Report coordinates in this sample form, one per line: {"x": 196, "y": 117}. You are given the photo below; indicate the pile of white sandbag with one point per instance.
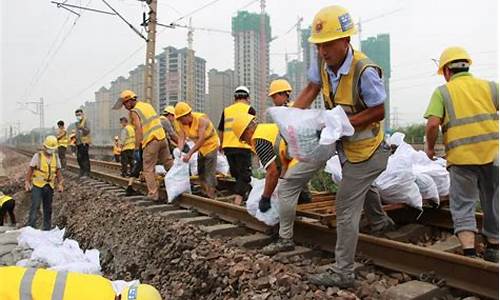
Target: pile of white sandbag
{"x": 270, "y": 217}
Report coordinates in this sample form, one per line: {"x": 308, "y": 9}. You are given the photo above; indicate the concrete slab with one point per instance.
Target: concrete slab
{"x": 252, "y": 241}
{"x": 9, "y": 238}
{"x": 6, "y": 228}
{"x": 413, "y": 290}
{"x": 160, "y": 208}
{"x": 408, "y": 233}
{"x": 178, "y": 214}
{"x": 200, "y": 220}
{"x": 145, "y": 203}
{"x": 451, "y": 244}
{"x": 223, "y": 229}
{"x": 134, "y": 198}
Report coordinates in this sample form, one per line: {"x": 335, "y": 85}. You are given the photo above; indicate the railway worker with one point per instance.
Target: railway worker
{"x": 25, "y": 283}
{"x": 44, "y": 173}
{"x": 151, "y": 144}
{"x": 466, "y": 109}
{"x": 7, "y": 205}
{"x": 127, "y": 143}
{"x": 117, "y": 150}
{"x": 167, "y": 119}
{"x": 279, "y": 91}
{"x": 282, "y": 172}
{"x": 197, "y": 127}
{"x": 62, "y": 139}
{"x": 82, "y": 142}
{"x": 348, "y": 78}
{"x": 239, "y": 155}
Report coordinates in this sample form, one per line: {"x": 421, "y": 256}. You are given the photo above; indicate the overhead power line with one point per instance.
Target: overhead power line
{"x": 196, "y": 10}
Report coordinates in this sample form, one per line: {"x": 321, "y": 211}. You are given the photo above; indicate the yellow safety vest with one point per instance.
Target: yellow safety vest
{"x": 20, "y": 283}
{"x": 360, "y": 146}
{"x": 230, "y": 113}
{"x": 270, "y": 133}
{"x": 63, "y": 140}
{"x": 129, "y": 143}
{"x": 211, "y": 138}
{"x": 470, "y": 125}
{"x": 85, "y": 139}
{"x": 45, "y": 172}
{"x": 150, "y": 122}
{"x": 116, "y": 149}
{"x": 4, "y": 199}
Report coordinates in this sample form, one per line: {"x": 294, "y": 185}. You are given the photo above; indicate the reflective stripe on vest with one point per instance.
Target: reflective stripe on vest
{"x": 27, "y": 283}
{"x": 229, "y": 139}
{"x": 46, "y": 171}
{"x": 4, "y": 199}
{"x": 365, "y": 141}
{"x": 150, "y": 122}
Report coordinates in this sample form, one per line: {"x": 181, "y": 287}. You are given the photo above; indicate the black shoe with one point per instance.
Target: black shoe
{"x": 130, "y": 191}
{"x": 491, "y": 254}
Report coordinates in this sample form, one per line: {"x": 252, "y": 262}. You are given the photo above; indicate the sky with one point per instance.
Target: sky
{"x": 50, "y": 52}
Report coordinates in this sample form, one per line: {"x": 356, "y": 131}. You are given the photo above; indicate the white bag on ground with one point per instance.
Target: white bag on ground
{"x": 177, "y": 178}
{"x": 222, "y": 164}
{"x": 160, "y": 170}
{"x": 438, "y": 173}
{"x": 270, "y": 217}
{"x": 334, "y": 167}
{"x": 427, "y": 187}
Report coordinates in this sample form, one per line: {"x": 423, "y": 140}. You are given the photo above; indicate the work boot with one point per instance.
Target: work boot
{"x": 387, "y": 226}
{"x": 330, "y": 278}
{"x": 491, "y": 254}
{"x": 304, "y": 197}
{"x": 280, "y": 245}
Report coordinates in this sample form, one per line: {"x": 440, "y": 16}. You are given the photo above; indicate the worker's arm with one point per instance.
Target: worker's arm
{"x": 272, "y": 176}
{"x": 182, "y": 140}
{"x": 431, "y": 134}
{"x": 221, "y": 130}
{"x": 27, "y": 180}
{"x": 307, "y": 95}
{"x": 201, "y": 139}
{"x": 368, "y": 116}
{"x": 86, "y": 128}
{"x": 60, "y": 180}
{"x": 136, "y": 122}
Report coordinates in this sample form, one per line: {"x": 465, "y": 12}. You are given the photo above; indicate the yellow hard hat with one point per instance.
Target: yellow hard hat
{"x": 169, "y": 109}
{"x": 331, "y": 23}
{"x": 50, "y": 142}
{"x": 278, "y": 86}
{"x": 241, "y": 123}
{"x": 124, "y": 97}
{"x": 451, "y": 54}
{"x": 141, "y": 292}
{"x": 182, "y": 109}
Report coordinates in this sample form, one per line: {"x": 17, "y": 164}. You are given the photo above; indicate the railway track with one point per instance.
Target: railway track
{"x": 316, "y": 228}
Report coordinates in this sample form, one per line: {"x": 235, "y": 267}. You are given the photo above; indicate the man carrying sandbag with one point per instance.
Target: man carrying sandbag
{"x": 348, "y": 78}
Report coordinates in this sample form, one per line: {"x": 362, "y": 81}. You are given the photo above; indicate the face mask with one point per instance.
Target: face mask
{"x": 49, "y": 151}
{"x": 79, "y": 118}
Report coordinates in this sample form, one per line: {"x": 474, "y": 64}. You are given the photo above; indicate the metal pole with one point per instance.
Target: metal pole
{"x": 150, "y": 55}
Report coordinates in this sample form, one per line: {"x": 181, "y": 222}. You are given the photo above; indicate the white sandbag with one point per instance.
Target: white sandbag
{"x": 31, "y": 238}
{"x": 160, "y": 170}
{"x": 120, "y": 285}
{"x": 222, "y": 164}
{"x": 427, "y": 187}
{"x": 193, "y": 164}
{"x": 270, "y": 217}
{"x": 177, "y": 178}
{"x": 396, "y": 139}
{"x": 337, "y": 125}
{"x": 334, "y": 167}
{"x": 438, "y": 173}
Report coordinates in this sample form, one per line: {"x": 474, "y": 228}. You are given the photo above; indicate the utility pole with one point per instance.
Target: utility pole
{"x": 150, "y": 54}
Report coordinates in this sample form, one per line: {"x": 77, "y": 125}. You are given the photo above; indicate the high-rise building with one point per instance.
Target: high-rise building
{"x": 308, "y": 51}
{"x": 297, "y": 75}
{"x": 252, "y": 33}
{"x": 220, "y": 93}
{"x": 173, "y": 78}
{"x": 378, "y": 49}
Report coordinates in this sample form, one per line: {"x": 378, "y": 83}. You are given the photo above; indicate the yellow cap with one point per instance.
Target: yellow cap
{"x": 331, "y": 23}
{"x": 124, "y": 97}
{"x": 182, "y": 109}
{"x": 169, "y": 109}
{"x": 451, "y": 54}
{"x": 50, "y": 142}
{"x": 240, "y": 124}
{"x": 278, "y": 86}
{"x": 141, "y": 292}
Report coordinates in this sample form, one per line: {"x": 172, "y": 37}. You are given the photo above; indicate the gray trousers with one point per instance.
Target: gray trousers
{"x": 298, "y": 176}
{"x": 468, "y": 184}
{"x": 354, "y": 193}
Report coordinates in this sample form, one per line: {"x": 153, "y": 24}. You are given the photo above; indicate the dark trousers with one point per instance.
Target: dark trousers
{"x": 117, "y": 157}
{"x": 8, "y": 208}
{"x": 61, "y": 151}
{"x": 82, "y": 156}
{"x": 41, "y": 196}
{"x": 127, "y": 159}
{"x": 240, "y": 163}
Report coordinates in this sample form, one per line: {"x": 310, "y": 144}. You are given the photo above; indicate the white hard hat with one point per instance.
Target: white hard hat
{"x": 243, "y": 89}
